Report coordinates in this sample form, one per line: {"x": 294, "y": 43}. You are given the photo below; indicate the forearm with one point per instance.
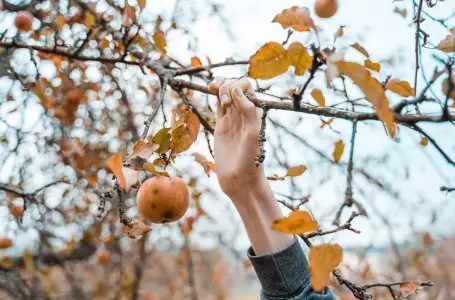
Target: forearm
{"x": 258, "y": 209}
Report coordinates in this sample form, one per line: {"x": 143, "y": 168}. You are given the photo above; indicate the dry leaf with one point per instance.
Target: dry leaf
{"x": 144, "y": 148}
{"x": 298, "y": 222}
{"x": 115, "y": 164}
{"x": 447, "y": 44}
{"x": 207, "y": 165}
{"x": 403, "y": 12}
{"x": 296, "y": 17}
{"x": 373, "y": 90}
{"x": 160, "y": 41}
{"x": 409, "y": 288}
{"x": 269, "y": 61}
{"x": 142, "y": 3}
{"x": 192, "y": 124}
{"x": 196, "y": 62}
{"x": 89, "y": 20}
{"x": 162, "y": 138}
{"x": 299, "y": 58}
{"x": 60, "y": 21}
{"x": 359, "y": 48}
{"x": 180, "y": 139}
{"x": 340, "y": 31}
{"x": 400, "y": 87}
{"x": 423, "y": 141}
{"x": 137, "y": 230}
{"x": 338, "y": 151}
{"x": 5, "y": 243}
{"x": 318, "y": 96}
{"x": 150, "y": 167}
{"x": 323, "y": 259}
{"x": 372, "y": 65}
{"x": 296, "y": 171}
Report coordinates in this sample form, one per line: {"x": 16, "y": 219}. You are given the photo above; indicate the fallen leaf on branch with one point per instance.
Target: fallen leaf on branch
{"x": 447, "y": 44}
{"x": 298, "y": 222}
{"x": 323, "y": 259}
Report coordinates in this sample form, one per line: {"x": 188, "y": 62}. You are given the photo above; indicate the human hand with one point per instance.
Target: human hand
{"x": 236, "y": 136}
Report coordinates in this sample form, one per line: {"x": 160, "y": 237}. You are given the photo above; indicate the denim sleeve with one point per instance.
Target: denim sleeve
{"x": 285, "y": 275}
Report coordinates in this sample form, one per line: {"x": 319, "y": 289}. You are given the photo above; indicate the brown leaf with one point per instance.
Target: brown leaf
{"x": 160, "y": 41}
{"x": 60, "y": 21}
{"x": 296, "y": 17}
{"x": 196, "y": 62}
{"x": 373, "y": 90}
{"x": 269, "y": 61}
{"x": 299, "y": 58}
{"x": 180, "y": 139}
{"x": 115, "y": 164}
{"x": 144, "y": 148}
{"x": 403, "y": 12}
{"x": 359, "y": 48}
{"x": 296, "y": 171}
{"x": 318, "y": 96}
{"x": 323, "y": 259}
{"x": 89, "y": 20}
{"x": 339, "y": 33}
{"x": 409, "y": 288}
{"x": 207, "y": 165}
{"x": 447, "y": 44}
{"x": 5, "y": 243}
{"x": 192, "y": 124}
{"x": 338, "y": 151}
{"x": 298, "y": 222}
{"x": 137, "y": 230}
{"x": 150, "y": 167}
{"x": 400, "y": 87}
{"x": 372, "y": 65}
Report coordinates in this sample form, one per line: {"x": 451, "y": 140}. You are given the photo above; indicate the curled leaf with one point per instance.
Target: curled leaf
{"x": 338, "y": 151}
{"x": 162, "y": 138}
{"x": 269, "y": 61}
{"x": 296, "y": 17}
{"x": 298, "y": 222}
{"x": 323, "y": 259}
{"x": 207, "y": 165}
{"x": 144, "y": 148}
{"x": 115, "y": 164}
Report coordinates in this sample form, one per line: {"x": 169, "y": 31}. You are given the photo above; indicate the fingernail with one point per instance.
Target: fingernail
{"x": 225, "y": 99}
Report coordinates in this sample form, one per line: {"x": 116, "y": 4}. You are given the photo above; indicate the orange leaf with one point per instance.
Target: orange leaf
{"x": 299, "y": 58}
{"x": 142, "y": 3}
{"x": 180, "y": 139}
{"x": 144, "y": 148}
{"x": 5, "y": 242}
{"x": 372, "y": 65}
{"x": 359, "y": 48}
{"x": 373, "y": 90}
{"x": 160, "y": 41}
{"x": 423, "y": 141}
{"x": 115, "y": 164}
{"x": 400, "y": 87}
{"x": 207, "y": 165}
{"x": 60, "y": 21}
{"x": 296, "y": 17}
{"x": 409, "y": 288}
{"x": 323, "y": 259}
{"x": 269, "y": 61}
{"x": 298, "y": 222}
{"x": 338, "y": 151}
{"x": 403, "y": 12}
{"x": 192, "y": 124}
{"x": 296, "y": 171}
{"x": 196, "y": 62}
{"x": 318, "y": 96}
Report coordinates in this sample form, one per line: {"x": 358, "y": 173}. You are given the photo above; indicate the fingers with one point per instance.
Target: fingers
{"x": 214, "y": 87}
{"x": 245, "y": 106}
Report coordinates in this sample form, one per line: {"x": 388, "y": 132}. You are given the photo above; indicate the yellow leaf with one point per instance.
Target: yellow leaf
{"x": 181, "y": 139}
{"x": 196, "y": 62}
{"x": 373, "y": 90}
{"x": 400, "y": 87}
{"x": 89, "y": 20}
{"x": 296, "y": 17}
{"x": 192, "y": 124}
{"x": 359, "y": 48}
{"x": 296, "y": 171}
{"x": 115, "y": 164}
{"x": 447, "y": 44}
{"x": 318, "y": 96}
{"x": 162, "y": 138}
{"x": 160, "y": 41}
{"x": 338, "y": 151}
{"x": 299, "y": 58}
{"x": 142, "y": 3}
{"x": 372, "y": 65}
{"x": 423, "y": 141}
{"x": 28, "y": 261}
{"x": 409, "y": 288}
{"x": 150, "y": 167}
{"x": 323, "y": 259}
{"x": 403, "y": 12}
{"x": 60, "y": 21}
{"x": 104, "y": 43}
{"x": 269, "y": 61}
{"x": 298, "y": 222}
